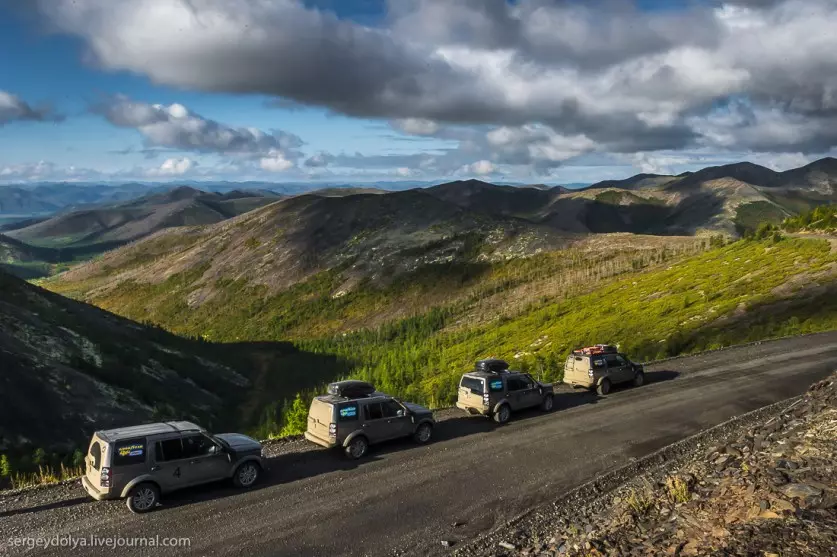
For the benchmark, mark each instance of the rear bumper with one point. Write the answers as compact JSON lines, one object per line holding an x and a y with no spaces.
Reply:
{"x":95,"y":493}
{"x":473,"y":411}
{"x":587,"y":384}
{"x":327,"y":443}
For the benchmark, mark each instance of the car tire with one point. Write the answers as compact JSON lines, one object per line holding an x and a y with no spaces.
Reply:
{"x":246,"y":475}
{"x":604,"y":387}
{"x":143,"y":498}
{"x":357,"y":448}
{"x":423,"y":434}
{"x":502,"y":415}
{"x":547,"y":403}
{"x":639,"y":379}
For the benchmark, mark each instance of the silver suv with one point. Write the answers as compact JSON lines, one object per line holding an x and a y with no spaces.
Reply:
{"x":141,"y":462}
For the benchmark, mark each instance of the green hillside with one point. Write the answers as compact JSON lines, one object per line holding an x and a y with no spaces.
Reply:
{"x":653,"y":303}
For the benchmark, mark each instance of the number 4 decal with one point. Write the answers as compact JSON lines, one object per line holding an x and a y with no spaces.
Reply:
{"x":177,"y":472}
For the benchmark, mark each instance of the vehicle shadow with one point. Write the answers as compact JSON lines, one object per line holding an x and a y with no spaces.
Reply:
{"x":47,"y":506}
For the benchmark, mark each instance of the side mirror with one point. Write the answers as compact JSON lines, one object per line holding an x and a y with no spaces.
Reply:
{"x":400,"y":413}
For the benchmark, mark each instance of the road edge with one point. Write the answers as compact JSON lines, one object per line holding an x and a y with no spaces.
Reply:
{"x":540,"y":520}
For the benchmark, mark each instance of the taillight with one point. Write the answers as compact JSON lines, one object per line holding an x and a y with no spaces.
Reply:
{"x":485,"y":399}
{"x":590,"y":372}
{"x":332,"y":430}
{"x":104,"y":479}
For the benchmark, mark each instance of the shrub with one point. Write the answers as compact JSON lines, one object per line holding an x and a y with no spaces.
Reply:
{"x":295,"y":419}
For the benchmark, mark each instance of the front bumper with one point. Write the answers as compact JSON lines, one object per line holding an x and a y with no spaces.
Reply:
{"x":95,"y":493}
{"x":327,"y":443}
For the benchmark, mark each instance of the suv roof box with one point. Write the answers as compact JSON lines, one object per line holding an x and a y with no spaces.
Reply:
{"x":596,"y":349}
{"x":492,"y":365}
{"x":351,"y":389}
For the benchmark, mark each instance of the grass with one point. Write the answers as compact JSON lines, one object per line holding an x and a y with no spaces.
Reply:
{"x":749,"y":216}
{"x":46,"y":475}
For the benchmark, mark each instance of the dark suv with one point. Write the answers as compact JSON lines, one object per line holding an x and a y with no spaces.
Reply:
{"x":353,"y":415}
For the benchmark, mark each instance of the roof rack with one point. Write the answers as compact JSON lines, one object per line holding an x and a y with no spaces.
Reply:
{"x":351,"y":389}
{"x":596,"y":350}
{"x":492,"y":365}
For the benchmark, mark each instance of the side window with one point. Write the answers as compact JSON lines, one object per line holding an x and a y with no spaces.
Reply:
{"x":598,"y":363}
{"x":197,"y":445}
{"x":528,"y":381}
{"x":96,"y":455}
{"x":347,"y":412}
{"x":129,"y":452}
{"x":495,"y":385}
{"x":621,"y":359}
{"x":372,"y":411}
{"x":390,"y":408}
{"x":170,"y":449}
{"x":515,"y":383}
{"x":612,"y":360}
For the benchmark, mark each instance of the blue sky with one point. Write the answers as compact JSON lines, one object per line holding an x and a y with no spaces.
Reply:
{"x":328,"y":90}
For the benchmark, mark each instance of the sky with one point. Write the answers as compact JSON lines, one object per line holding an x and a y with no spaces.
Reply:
{"x":530,"y":91}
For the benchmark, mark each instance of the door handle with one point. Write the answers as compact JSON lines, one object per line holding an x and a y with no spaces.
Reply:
{"x":156,"y":468}
{"x":194,"y":462}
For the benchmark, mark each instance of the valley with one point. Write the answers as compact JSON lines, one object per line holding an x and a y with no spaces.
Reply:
{"x":407,"y":289}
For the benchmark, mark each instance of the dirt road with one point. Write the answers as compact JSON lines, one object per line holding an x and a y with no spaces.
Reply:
{"x":404,"y":499}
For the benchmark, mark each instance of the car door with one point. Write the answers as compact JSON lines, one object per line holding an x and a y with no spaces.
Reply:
{"x":399,"y":424}
{"x":516,"y":389}
{"x":169,"y":463}
{"x":374,"y":424}
{"x":615,"y":368}
{"x":530,"y":395}
{"x":207,"y":462}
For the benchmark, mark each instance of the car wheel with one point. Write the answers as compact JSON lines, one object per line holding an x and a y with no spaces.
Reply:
{"x":547,"y":403}
{"x":604,"y":387}
{"x":246,"y":475}
{"x":423,"y":433}
{"x":502,"y":414}
{"x":143,"y":498}
{"x":357,"y":448}
{"x":639,"y":379}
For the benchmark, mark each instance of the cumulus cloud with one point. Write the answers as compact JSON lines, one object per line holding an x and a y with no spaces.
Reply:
{"x":480,"y":168}
{"x":275,"y":161}
{"x":44,"y":171}
{"x":175,"y":126}
{"x":625,"y":79}
{"x":173,"y":167}
{"x":13,"y":108}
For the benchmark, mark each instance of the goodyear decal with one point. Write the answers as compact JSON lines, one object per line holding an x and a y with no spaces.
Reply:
{"x":131,"y":450}
{"x":348,"y":412}
{"x":497,"y":385}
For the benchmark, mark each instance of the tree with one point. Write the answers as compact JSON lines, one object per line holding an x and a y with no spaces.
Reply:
{"x":295,"y":419}
{"x":5,"y":467}
{"x":39,"y":457}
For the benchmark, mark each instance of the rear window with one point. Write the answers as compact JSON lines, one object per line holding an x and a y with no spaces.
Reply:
{"x":129,"y":452}
{"x":472,"y":383}
{"x":96,"y":455}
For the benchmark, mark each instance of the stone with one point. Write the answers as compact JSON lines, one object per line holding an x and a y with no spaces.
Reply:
{"x":507,"y":545}
{"x":800,"y":491}
{"x":447,"y":543}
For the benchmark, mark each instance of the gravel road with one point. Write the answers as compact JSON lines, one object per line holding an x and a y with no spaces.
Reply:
{"x":404,"y":499}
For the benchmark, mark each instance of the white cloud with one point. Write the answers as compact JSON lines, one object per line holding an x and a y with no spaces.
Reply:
{"x":480,"y":168}
{"x":275,"y":161}
{"x":173,"y":167}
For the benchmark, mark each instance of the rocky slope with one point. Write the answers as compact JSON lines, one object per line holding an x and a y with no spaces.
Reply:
{"x":770,"y":490}
{"x":67,"y":368}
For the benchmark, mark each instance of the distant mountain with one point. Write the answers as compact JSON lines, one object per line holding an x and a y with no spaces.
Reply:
{"x":69,"y":369}
{"x":128,"y":221}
